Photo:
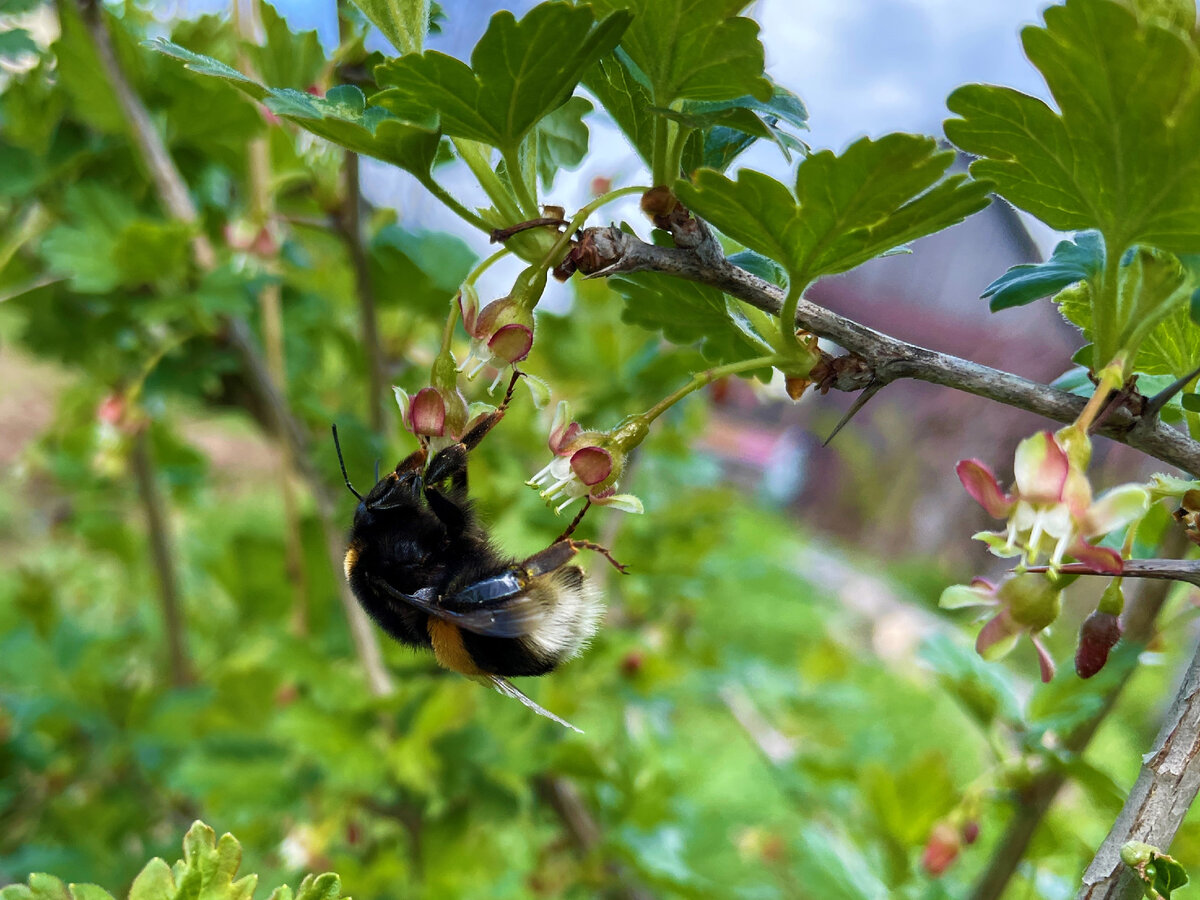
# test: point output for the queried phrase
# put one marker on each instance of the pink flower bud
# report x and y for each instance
(1097, 636)
(970, 832)
(427, 413)
(941, 849)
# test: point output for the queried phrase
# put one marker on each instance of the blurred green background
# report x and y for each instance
(767, 712)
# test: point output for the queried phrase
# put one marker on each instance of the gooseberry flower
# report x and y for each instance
(588, 463)
(1050, 509)
(502, 332)
(438, 415)
(1025, 604)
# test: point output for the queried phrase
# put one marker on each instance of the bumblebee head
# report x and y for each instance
(398, 490)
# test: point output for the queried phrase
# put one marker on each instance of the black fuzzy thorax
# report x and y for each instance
(410, 548)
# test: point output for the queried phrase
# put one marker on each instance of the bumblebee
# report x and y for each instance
(426, 571)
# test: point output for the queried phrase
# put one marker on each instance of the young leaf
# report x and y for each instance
(624, 98)
(1071, 262)
(561, 139)
(519, 72)
(403, 22)
(342, 116)
(846, 209)
(1120, 155)
(693, 49)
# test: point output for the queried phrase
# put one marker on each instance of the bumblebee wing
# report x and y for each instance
(508, 689)
(516, 616)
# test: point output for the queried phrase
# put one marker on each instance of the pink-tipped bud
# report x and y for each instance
(427, 413)
(1097, 636)
(111, 409)
(941, 849)
(591, 465)
(511, 342)
(970, 832)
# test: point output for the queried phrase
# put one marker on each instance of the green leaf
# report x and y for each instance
(626, 99)
(1071, 262)
(286, 59)
(1120, 155)
(519, 72)
(15, 42)
(717, 147)
(1155, 869)
(846, 209)
(1191, 402)
(154, 882)
(89, 892)
(1172, 347)
(320, 887)
(403, 22)
(1168, 875)
(693, 49)
(561, 139)
(342, 116)
(688, 313)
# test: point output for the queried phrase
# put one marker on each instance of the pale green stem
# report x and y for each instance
(454, 206)
(1105, 310)
(481, 167)
(452, 316)
(525, 195)
(658, 169)
(787, 316)
(708, 376)
(676, 144)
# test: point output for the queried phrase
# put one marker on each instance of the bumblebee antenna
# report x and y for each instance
(337, 446)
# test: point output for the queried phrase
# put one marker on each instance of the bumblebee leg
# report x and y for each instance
(414, 462)
(561, 552)
(603, 551)
(472, 438)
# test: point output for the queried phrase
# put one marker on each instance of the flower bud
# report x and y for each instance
(1032, 600)
(941, 849)
(1097, 636)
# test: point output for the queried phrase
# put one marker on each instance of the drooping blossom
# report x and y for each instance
(587, 463)
(1050, 509)
(502, 332)
(1025, 604)
(438, 415)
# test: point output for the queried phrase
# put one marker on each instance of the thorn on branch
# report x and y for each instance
(500, 235)
(859, 402)
(1155, 404)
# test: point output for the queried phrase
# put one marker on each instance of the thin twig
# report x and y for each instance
(349, 226)
(270, 305)
(161, 552)
(612, 251)
(177, 202)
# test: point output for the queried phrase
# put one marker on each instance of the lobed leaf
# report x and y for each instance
(1071, 262)
(1119, 155)
(520, 71)
(342, 116)
(847, 209)
(693, 49)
